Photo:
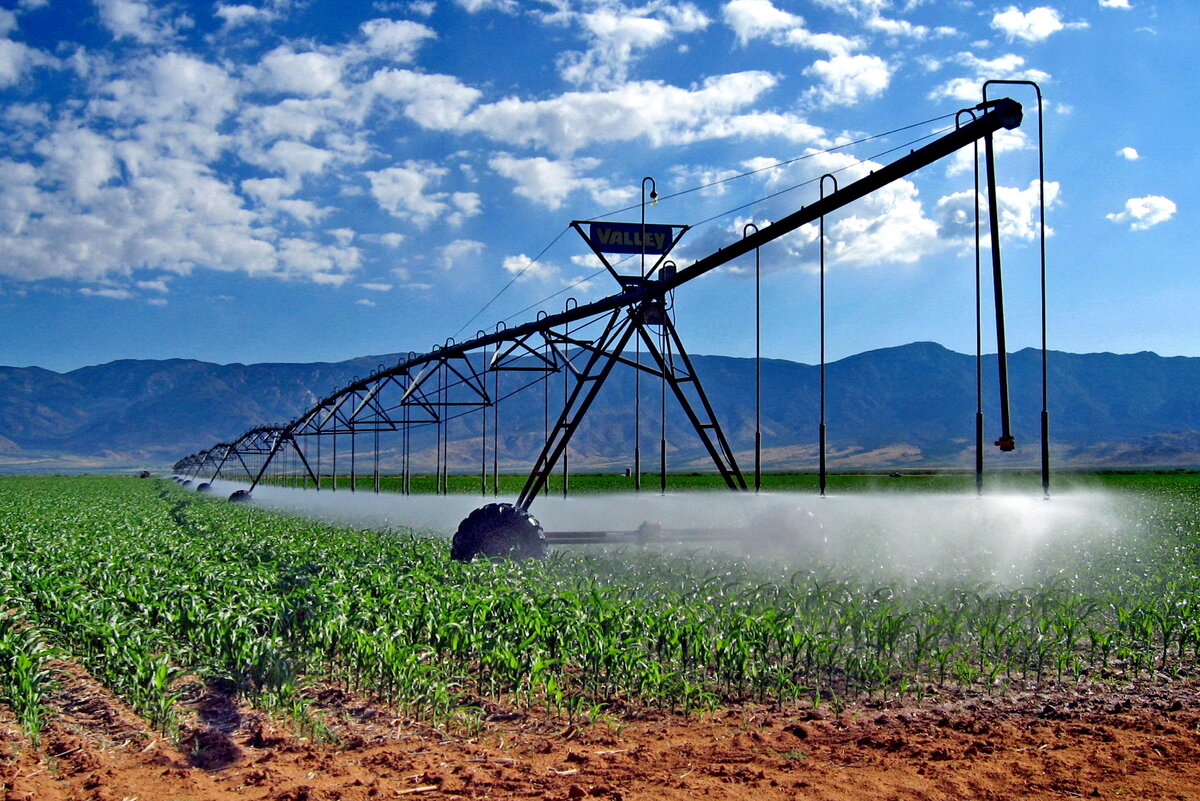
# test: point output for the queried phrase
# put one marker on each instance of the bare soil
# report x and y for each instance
(1090, 740)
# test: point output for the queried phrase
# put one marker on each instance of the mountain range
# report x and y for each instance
(908, 406)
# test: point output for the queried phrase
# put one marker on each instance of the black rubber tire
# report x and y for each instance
(498, 531)
(240, 496)
(187, 482)
(205, 487)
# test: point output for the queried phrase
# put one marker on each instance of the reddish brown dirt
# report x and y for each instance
(1084, 742)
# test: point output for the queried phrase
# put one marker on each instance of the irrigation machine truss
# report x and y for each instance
(584, 343)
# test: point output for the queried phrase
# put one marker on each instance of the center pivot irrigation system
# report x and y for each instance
(584, 343)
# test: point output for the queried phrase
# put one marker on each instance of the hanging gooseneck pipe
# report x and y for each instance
(1006, 442)
(637, 344)
(1045, 417)
(823, 479)
(500, 326)
(979, 428)
(664, 347)
(570, 304)
(757, 362)
(483, 426)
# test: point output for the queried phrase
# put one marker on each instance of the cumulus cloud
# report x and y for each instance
(888, 226)
(308, 73)
(140, 21)
(616, 36)
(1003, 141)
(966, 89)
(17, 59)
(1018, 212)
(754, 19)
(751, 19)
(1036, 25)
(1115, 4)
(524, 269)
(404, 193)
(459, 252)
(397, 40)
(1144, 212)
(436, 102)
(549, 182)
(1129, 154)
(235, 15)
(845, 79)
(476, 6)
(649, 110)
(129, 182)
(112, 293)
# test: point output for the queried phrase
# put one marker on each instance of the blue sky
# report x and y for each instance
(302, 181)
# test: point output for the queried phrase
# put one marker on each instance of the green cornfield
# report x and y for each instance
(145, 584)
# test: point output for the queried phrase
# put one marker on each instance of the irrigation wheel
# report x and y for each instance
(498, 530)
(240, 496)
(205, 487)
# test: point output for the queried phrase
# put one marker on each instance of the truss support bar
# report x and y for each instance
(617, 332)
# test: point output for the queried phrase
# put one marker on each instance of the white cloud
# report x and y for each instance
(157, 285)
(524, 269)
(752, 19)
(475, 6)
(651, 110)
(1009, 66)
(1144, 212)
(392, 240)
(615, 38)
(1036, 25)
(293, 159)
(1018, 212)
(398, 40)
(1003, 141)
(309, 74)
(549, 183)
(845, 79)
(1129, 154)
(140, 21)
(460, 251)
(375, 287)
(108, 292)
(238, 14)
(365, 302)
(18, 58)
(343, 236)
(1115, 4)
(887, 227)
(437, 102)
(403, 193)
(662, 114)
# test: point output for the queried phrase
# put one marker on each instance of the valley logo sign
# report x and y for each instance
(628, 238)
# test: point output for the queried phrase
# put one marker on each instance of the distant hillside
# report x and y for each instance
(911, 406)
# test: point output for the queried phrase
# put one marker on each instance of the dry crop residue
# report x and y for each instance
(1085, 741)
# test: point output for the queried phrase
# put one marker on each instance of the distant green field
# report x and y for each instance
(143, 582)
